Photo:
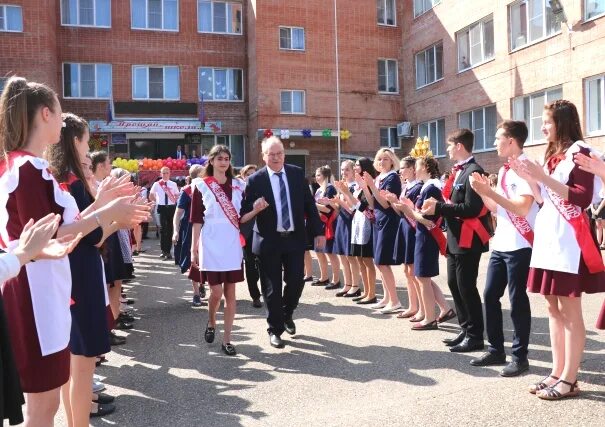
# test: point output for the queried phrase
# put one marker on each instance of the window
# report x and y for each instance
(86, 13)
(476, 43)
(422, 6)
(221, 84)
(593, 8)
(387, 12)
(234, 142)
(155, 14)
(3, 81)
(291, 38)
(595, 101)
(483, 123)
(529, 108)
(11, 18)
(387, 76)
(429, 65)
(434, 130)
(388, 138)
(86, 80)
(293, 102)
(155, 82)
(531, 20)
(219, 17)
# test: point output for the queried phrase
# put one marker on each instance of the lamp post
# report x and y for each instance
(337, 85)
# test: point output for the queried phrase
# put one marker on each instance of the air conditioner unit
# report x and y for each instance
(404, 129)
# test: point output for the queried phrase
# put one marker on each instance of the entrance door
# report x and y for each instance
(297, 160)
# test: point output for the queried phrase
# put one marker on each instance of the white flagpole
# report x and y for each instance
(337, 85)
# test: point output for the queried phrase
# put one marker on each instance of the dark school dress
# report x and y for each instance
(387, 223)
(182, 250)
(342, 230)
(329, 226)
(426, 250)
(362, 229)
(406, 235)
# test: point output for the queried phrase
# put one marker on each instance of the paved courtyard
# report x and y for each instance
(347, 366)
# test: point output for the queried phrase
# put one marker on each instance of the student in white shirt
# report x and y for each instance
(165, 194)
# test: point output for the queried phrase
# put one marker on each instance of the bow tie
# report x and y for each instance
(457, 168)
(506, 166)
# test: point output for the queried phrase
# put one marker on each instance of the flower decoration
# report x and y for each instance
(284, 134)
(422, 148)
(306, 133)
(268, 133)
(345, 134)
(326, 133)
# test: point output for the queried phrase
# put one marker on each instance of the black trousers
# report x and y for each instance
(252, 275)
(510, 268)
(166, 216)
(281, 303)
(462, 271)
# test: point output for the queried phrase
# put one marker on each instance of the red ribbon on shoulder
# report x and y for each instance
(439, 237)
(329, 220)
(225, 203)
(520, 223)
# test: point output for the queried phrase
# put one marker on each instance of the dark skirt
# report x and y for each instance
(119, 269)
(194, 274)
(426, 255)
(11, 396)
(342, 238)
(405, 243)
(182, 250)
(219, 277)
(385, 234)
(549, 282)
(363, 251)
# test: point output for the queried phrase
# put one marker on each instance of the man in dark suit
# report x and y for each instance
(279, 237)
(468, 232)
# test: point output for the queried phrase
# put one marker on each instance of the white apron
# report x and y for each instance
(220, 247)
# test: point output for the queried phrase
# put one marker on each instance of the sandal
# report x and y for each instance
(406, 314)
(209, 334)
(431, 326)
(417, 319)
(229, 349)
(551, 393)
(541, 385)
(449, 315)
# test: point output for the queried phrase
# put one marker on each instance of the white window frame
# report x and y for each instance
(597, 16)
(79, 64)
(290, 29)
(199, 70)
(228, 3)
(146, 27)
(386, 69)
(384, 5)
(488, 141)
(527, 42)
(291, 112)
(467, 30)
(425, 9)
(147, 67)
(440, 150)
(5, 28)
(601, 130)
(533, 114)
(94, 11)
(392, 144)
(423, 52)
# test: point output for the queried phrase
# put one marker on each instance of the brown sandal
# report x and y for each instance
(541, 385)
(551, 393)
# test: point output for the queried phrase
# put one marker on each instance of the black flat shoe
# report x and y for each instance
(357, 293)
(103, 409)
(123, 326)
(116, 340)
(276, 341)
(209, 334)
(343, 292)
(359, 298)
(102, 398)
(123, 317)
(228, 349)
(308, 279)
(318, 282)
(332, 286)
(370, 301)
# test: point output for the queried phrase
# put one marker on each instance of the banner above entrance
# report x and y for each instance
(122, 126)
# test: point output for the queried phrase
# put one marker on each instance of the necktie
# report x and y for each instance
(283, 195)
(165, 193)
(506, 166)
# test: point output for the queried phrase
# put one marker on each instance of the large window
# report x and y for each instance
(86, 13)
(531, 20)
(151, 82)
(292, 101)
(386, 12)
(86, 80)
(476, 43)
(291, 38)
(387, 76)
(434, 130)
(421, 6)
(388, 138)
(221, 84)
(429, 65)
(234, 142)
(483, 123)
(11, 18)
(529, 108)
(595, 105)
(155, 14)
(219, 17)
(593, 8)
(3, 81)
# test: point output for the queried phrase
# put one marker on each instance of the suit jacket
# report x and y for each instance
(265, 235)
(465, 203)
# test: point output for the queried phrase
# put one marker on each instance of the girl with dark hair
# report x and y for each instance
(566, 261)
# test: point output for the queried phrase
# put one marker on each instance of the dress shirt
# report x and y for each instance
(274, 178)
(157, 189)
(9, 266)
(462, 163)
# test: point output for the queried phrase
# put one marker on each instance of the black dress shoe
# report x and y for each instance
(450, 342)
(116, 340)
(125, 318)
(168, 256)
(359, 298)
(370, 301)
(209, 334)
(332, 286)
(488, 359)
(357, 293)
(123, 326)
(290, 326)
(102, 398)
(276, 341)
(256, 303)
(320, 282)
(228, 349)
(103, 409)
(514, 368)
(308, 279)
(467, 345)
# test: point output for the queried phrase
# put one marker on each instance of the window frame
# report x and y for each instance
(544, 92)
(433, 4)
(436, 153)
(134, 67)
(467, 30)
(423, 51)
(215, 141)
(94, 9)
(485, 148)
(527, 19)
(3, 81)
(390, 134)
(199, 88)
(4, 7)
(384, 24)
(291, 112)
(386, 63)
(146, 28)
(79, 64)
(219, 32)
(290, 28)
(585, 12)
(601, 130)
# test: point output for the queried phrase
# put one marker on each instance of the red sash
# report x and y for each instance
(579, 222)
(329, 220)
(437, 234)
(520, 223)
(166, 189)
(225, 203)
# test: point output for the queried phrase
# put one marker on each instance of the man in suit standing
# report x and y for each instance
(164, 193)
(279, 238)
(468, 234)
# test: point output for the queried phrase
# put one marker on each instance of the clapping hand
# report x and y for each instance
(390, 197)
(368, 180)
(360, 181)
(527, 169)
(112, 188)
(428, 207)
(593, 164)
(480, 184)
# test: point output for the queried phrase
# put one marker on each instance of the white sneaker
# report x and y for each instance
(97, 386)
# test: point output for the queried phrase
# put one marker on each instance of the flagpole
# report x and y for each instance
(337, 85)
